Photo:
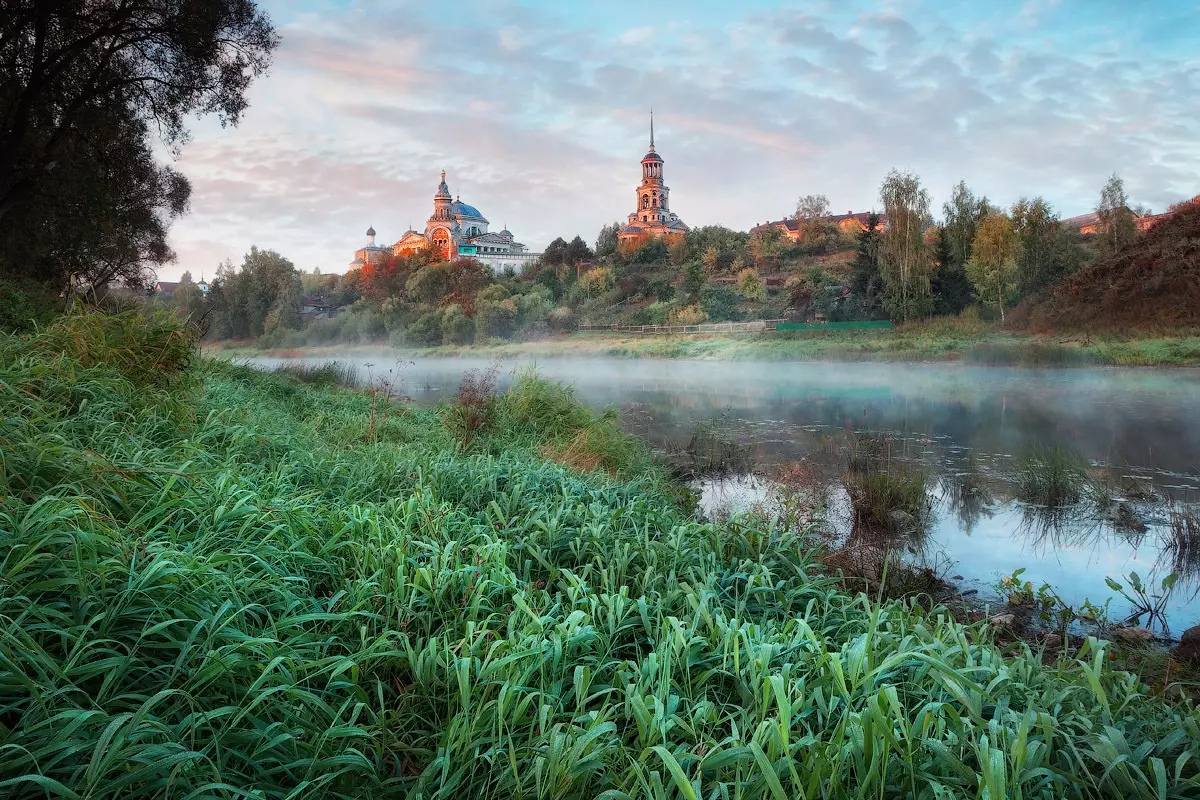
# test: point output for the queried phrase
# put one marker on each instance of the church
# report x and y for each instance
(454, 230)
(653, 218)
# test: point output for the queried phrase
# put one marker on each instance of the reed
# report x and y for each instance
(262, 601)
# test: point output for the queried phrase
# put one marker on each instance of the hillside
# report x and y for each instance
(1153, 284)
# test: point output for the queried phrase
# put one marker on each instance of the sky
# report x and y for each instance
(539, 113)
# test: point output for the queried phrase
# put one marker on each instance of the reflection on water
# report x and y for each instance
(965, 425)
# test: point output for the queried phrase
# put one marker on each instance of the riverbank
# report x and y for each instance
(951, 340)
(274, 584)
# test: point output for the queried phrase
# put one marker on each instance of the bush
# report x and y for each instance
(24, 305)
(562, 319)
(720, 304)
(688, 315)
(426, 331)
(457, 327)
(494, 320)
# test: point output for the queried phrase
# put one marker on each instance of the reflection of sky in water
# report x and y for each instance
(1146, 422)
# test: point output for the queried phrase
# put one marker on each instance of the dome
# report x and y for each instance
(371, 231)
(652, 156)
(459, 209)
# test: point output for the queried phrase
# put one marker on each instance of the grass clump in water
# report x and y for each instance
(261, 600)
(328, 373)
(1051, 476)
(887, 494)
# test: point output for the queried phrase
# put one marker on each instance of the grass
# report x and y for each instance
(328, 373)
(888, 494)
(1051, 477)
(288, 594)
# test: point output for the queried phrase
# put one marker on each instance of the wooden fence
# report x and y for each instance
(756, 326)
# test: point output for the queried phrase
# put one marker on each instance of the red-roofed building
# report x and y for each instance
(851, 222)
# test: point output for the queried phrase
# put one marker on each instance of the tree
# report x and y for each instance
(949, 285)
(104, 216)
(1039, 261)
(867, 279)
(992, 269)
(694, 281)
(961, 215)
(812, 206)
(86, 81)
(577, 251)
(606, 242)
(1117, 226)
(906, 259)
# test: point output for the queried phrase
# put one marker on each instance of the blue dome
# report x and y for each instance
(460, 209)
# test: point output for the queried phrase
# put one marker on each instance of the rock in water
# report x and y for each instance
(901, 521)
(1132, 635)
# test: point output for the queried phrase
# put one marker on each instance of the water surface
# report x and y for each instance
(1140, 423)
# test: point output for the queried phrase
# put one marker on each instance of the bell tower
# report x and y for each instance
(652, 204)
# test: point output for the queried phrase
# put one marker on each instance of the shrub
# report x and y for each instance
(494, 320)
(750, 285)
(457, 327)
(24, 305)
(688, 315)
(426, 331)
(720, 304)
(562, 319)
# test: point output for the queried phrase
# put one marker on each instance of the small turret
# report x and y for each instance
(371, 236)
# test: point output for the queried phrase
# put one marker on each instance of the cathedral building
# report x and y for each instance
(454, 230)
(653, 218)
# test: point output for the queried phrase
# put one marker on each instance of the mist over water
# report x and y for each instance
(947, 418)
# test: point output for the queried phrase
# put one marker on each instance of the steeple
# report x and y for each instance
(652, 130)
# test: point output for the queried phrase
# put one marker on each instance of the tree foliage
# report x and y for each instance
(992, 269)
(82, 84)
(867, 279)
(1117, 225)
(906, 258)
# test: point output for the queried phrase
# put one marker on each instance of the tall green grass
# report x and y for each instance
(285, 596)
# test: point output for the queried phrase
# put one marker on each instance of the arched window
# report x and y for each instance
(645, 201)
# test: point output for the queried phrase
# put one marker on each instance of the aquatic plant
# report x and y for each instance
(887, 493)
(711, 450)
(1050, 476)
(263, 601)
(326, 373)
(1144, 600)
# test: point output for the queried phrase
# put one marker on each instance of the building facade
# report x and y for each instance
(852, 222)
(652, 218)
(454, 229)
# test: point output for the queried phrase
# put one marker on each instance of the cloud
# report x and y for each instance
(540, 120)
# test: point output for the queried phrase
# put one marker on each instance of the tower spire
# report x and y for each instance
(651, 130)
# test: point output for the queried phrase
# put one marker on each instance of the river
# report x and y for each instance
(1141, 427)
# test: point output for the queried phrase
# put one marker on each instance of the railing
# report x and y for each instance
(756, 326)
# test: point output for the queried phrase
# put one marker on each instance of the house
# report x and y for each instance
(1089, 224)
(165, 289)
(315, 307)
(852, 222)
